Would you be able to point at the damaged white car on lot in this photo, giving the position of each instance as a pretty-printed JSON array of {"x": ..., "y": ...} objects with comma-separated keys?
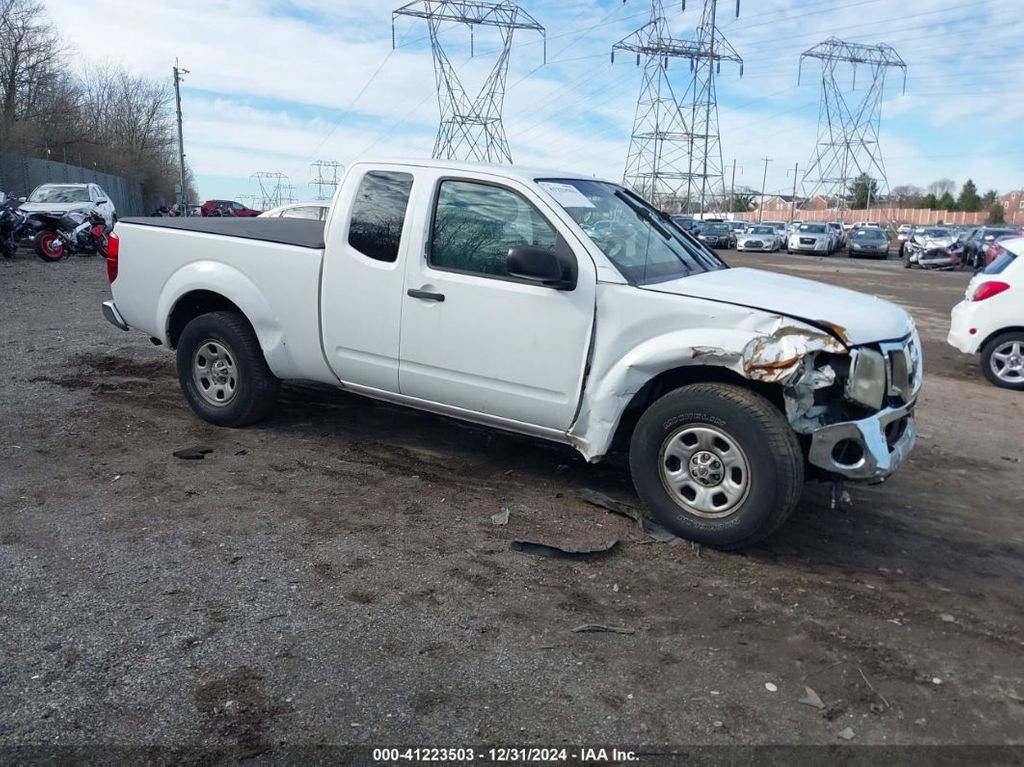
[{"x": 544, "y": 303}]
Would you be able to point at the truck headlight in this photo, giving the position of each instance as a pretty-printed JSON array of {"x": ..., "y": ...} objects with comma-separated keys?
[{"x": 866, "y": 384}]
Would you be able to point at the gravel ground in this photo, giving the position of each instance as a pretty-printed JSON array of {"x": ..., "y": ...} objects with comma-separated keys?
[{"x": 333, "y": 575}]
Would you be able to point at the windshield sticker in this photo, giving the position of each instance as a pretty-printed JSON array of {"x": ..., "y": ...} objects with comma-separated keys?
[{"x": 566, "y": 195}]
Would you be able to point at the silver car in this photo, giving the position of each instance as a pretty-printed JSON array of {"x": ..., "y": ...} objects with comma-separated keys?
[{"x": 761, "y": 237}]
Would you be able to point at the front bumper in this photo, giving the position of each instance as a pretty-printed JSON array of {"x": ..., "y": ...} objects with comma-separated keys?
[
  {"x": 804, "y": 248},
  {"x": 755, "y": 245},
  {"x": 113, "y": 316},
  {"x": 869, "y": 449}
]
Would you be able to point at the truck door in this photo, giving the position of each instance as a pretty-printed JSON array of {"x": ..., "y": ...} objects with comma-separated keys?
[
  {"x": 474, "y": 337},
  {"x": 361, "y": 285}
]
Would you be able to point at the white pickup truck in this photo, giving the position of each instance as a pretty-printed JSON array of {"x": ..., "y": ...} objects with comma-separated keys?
[{"x": 544, "y": 303}]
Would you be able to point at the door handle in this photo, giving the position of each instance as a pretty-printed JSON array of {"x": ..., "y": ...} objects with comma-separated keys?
[{"x": 426, "y": 295}]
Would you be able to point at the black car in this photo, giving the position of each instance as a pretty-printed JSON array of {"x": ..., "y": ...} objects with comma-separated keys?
[
  {"x": 974, "y": 245},
  {"x": 689, "y": 223},
  {"x": 868, "y": 243},
  {"x": 716, "y": 235}
]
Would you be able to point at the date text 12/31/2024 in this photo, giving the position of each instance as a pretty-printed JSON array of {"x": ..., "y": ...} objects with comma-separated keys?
[{"x": 503, "y": 754}]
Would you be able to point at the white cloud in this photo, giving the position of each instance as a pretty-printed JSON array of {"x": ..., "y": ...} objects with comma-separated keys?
[{"x": 271, "y": 81}]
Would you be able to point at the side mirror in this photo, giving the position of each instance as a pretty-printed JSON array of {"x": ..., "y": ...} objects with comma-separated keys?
[
  {"x": 23, "y": 199},
  {"x": 536, "y": 265},
  {"x": 102, "y": 201}
]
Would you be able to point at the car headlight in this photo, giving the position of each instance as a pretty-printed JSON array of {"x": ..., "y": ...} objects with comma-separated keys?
[{"x": 866, "y": 384}]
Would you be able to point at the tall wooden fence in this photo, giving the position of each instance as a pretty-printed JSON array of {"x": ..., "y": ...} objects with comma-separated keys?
[{"x": 917, "y": 216}]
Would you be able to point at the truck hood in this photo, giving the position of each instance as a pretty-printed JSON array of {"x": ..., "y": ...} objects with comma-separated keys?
[{"x": 856, "y": 318}]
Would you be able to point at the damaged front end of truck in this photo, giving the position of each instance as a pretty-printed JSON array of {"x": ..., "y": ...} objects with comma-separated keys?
[{"x": 851, "y": 405}]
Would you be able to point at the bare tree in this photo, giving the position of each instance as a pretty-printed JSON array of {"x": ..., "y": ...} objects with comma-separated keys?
[
  {"x": 906, "y": 195},
  {"x": 942, "y": 186},
  {"x": 30, "y": 52}
]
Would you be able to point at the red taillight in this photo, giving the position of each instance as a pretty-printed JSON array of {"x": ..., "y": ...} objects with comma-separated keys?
[
  {"x": 989, "y": 289},
  {"x": 113, "y": 249}
]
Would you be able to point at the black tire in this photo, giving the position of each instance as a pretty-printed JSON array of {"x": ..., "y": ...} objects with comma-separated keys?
[
  {"x": 988, "y": 361},
  {"x": 766, "y": 443},
  {"x": 255, "y": 387}
]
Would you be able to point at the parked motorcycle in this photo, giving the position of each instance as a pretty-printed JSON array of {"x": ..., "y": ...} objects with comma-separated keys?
[
  {"x": 12, "y": 225},
  {"x": 81, "y": 232}
]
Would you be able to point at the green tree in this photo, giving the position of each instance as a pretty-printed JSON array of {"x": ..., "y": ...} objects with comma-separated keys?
[
  {"x": 969, "y": 199},
  {"x": 863, "y": 190},
  {"x": 995, "y": 214},
  {"x": 946, "y": 202},
  {"x": 929, "y": 202},
  {"x": 744, "y": 200},
  {"x": 988, "y": 199}
]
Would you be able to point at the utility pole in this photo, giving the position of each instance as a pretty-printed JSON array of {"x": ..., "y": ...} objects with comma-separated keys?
[
  {"x": 732, "y": 186},
  {"x": 764, "y": 180},
  {"x": 792, "y": 201},
  {"x": 182, "y": 195}
]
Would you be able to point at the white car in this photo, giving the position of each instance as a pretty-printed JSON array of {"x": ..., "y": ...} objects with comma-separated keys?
[
  {"x": 762, "y": 237},
  {"x": 488, "y": 293},
  {"x": 991, "y": 316},
  {"x": 311, "y": 211},
  {"x": 812, "y": 237},
  {"x": 63, "y": 198}
]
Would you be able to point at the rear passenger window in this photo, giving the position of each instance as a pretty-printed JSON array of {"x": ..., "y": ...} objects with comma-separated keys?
[
  {"x": 379, "y": 214},
  {"x": 475, "y": 225}
]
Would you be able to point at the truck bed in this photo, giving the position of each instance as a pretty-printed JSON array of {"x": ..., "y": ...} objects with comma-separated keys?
[{"x": 285, "y": 231}]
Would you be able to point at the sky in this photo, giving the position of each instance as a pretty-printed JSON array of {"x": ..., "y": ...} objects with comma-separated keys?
[{"x": 275, "y": 85}]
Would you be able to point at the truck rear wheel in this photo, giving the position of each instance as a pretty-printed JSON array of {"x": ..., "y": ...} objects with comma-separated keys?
[
  {"x": 717, "y": 464},
  {"x": 222, "y": 371}
]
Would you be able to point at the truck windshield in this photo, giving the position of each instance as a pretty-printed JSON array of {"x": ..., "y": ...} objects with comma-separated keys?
[{"x": 642, "y": 243}]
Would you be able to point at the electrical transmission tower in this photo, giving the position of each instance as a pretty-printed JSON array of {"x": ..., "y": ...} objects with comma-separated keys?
[
  {"x": 848, "y": 127},
  {"x": 471, "y": 128},
  {"x": 274, "y": 189},
  {"x": 675, "y": 152},
  {"x": 326, "y": 180}
]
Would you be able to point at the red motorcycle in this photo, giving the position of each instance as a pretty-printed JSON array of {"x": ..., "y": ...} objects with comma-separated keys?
[{"x": 75, "y": 232}]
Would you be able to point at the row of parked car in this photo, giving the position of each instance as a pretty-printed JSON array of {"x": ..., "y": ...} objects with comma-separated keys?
[{"x": 863, "y": 239}]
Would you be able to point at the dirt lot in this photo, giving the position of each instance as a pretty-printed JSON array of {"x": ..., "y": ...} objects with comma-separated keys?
[{"x": 333, "y": 575}]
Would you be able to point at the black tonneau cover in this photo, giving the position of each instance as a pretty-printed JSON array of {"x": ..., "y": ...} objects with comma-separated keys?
[{"x": 286, "y": 231}]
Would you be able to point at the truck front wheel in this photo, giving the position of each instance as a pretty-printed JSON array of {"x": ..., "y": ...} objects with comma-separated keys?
[
  {"x": 222, "y": 371},
  {"x": 717, "y": 464}
]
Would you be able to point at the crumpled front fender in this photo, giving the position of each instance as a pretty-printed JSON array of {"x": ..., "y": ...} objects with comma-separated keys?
[{"x": 757, "y": 345}]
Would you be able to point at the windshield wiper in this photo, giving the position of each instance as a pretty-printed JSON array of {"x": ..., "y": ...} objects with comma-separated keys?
[{"x": 644, "y": 215}]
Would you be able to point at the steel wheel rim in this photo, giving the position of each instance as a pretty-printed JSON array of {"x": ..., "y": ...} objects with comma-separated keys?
[
  {"x": 1007, "y": 362},
  {"x": 704, "y": 470},
  {"x": 215, "y": 372}
]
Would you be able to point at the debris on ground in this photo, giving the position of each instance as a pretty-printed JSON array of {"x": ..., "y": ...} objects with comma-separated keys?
[
  {"x": 501, "y": 518},
  {"x": 564, "y": 552},
  {"x": 946, "y": 618},
  {"x": 936, "y": 680},
  {"x": 811, "y": 698},
  {"x": 846, "y": 733},
  {"x": 598, "y": 628},
  {"x": 771, "y": 687},
  {"x": 651, "y": 529},
  {"x": 840, "y": 496},
  {"x": 192, "y": 453}
]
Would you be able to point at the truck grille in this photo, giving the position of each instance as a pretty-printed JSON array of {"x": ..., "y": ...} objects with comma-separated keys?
[{"x": 904, "y": 368}]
